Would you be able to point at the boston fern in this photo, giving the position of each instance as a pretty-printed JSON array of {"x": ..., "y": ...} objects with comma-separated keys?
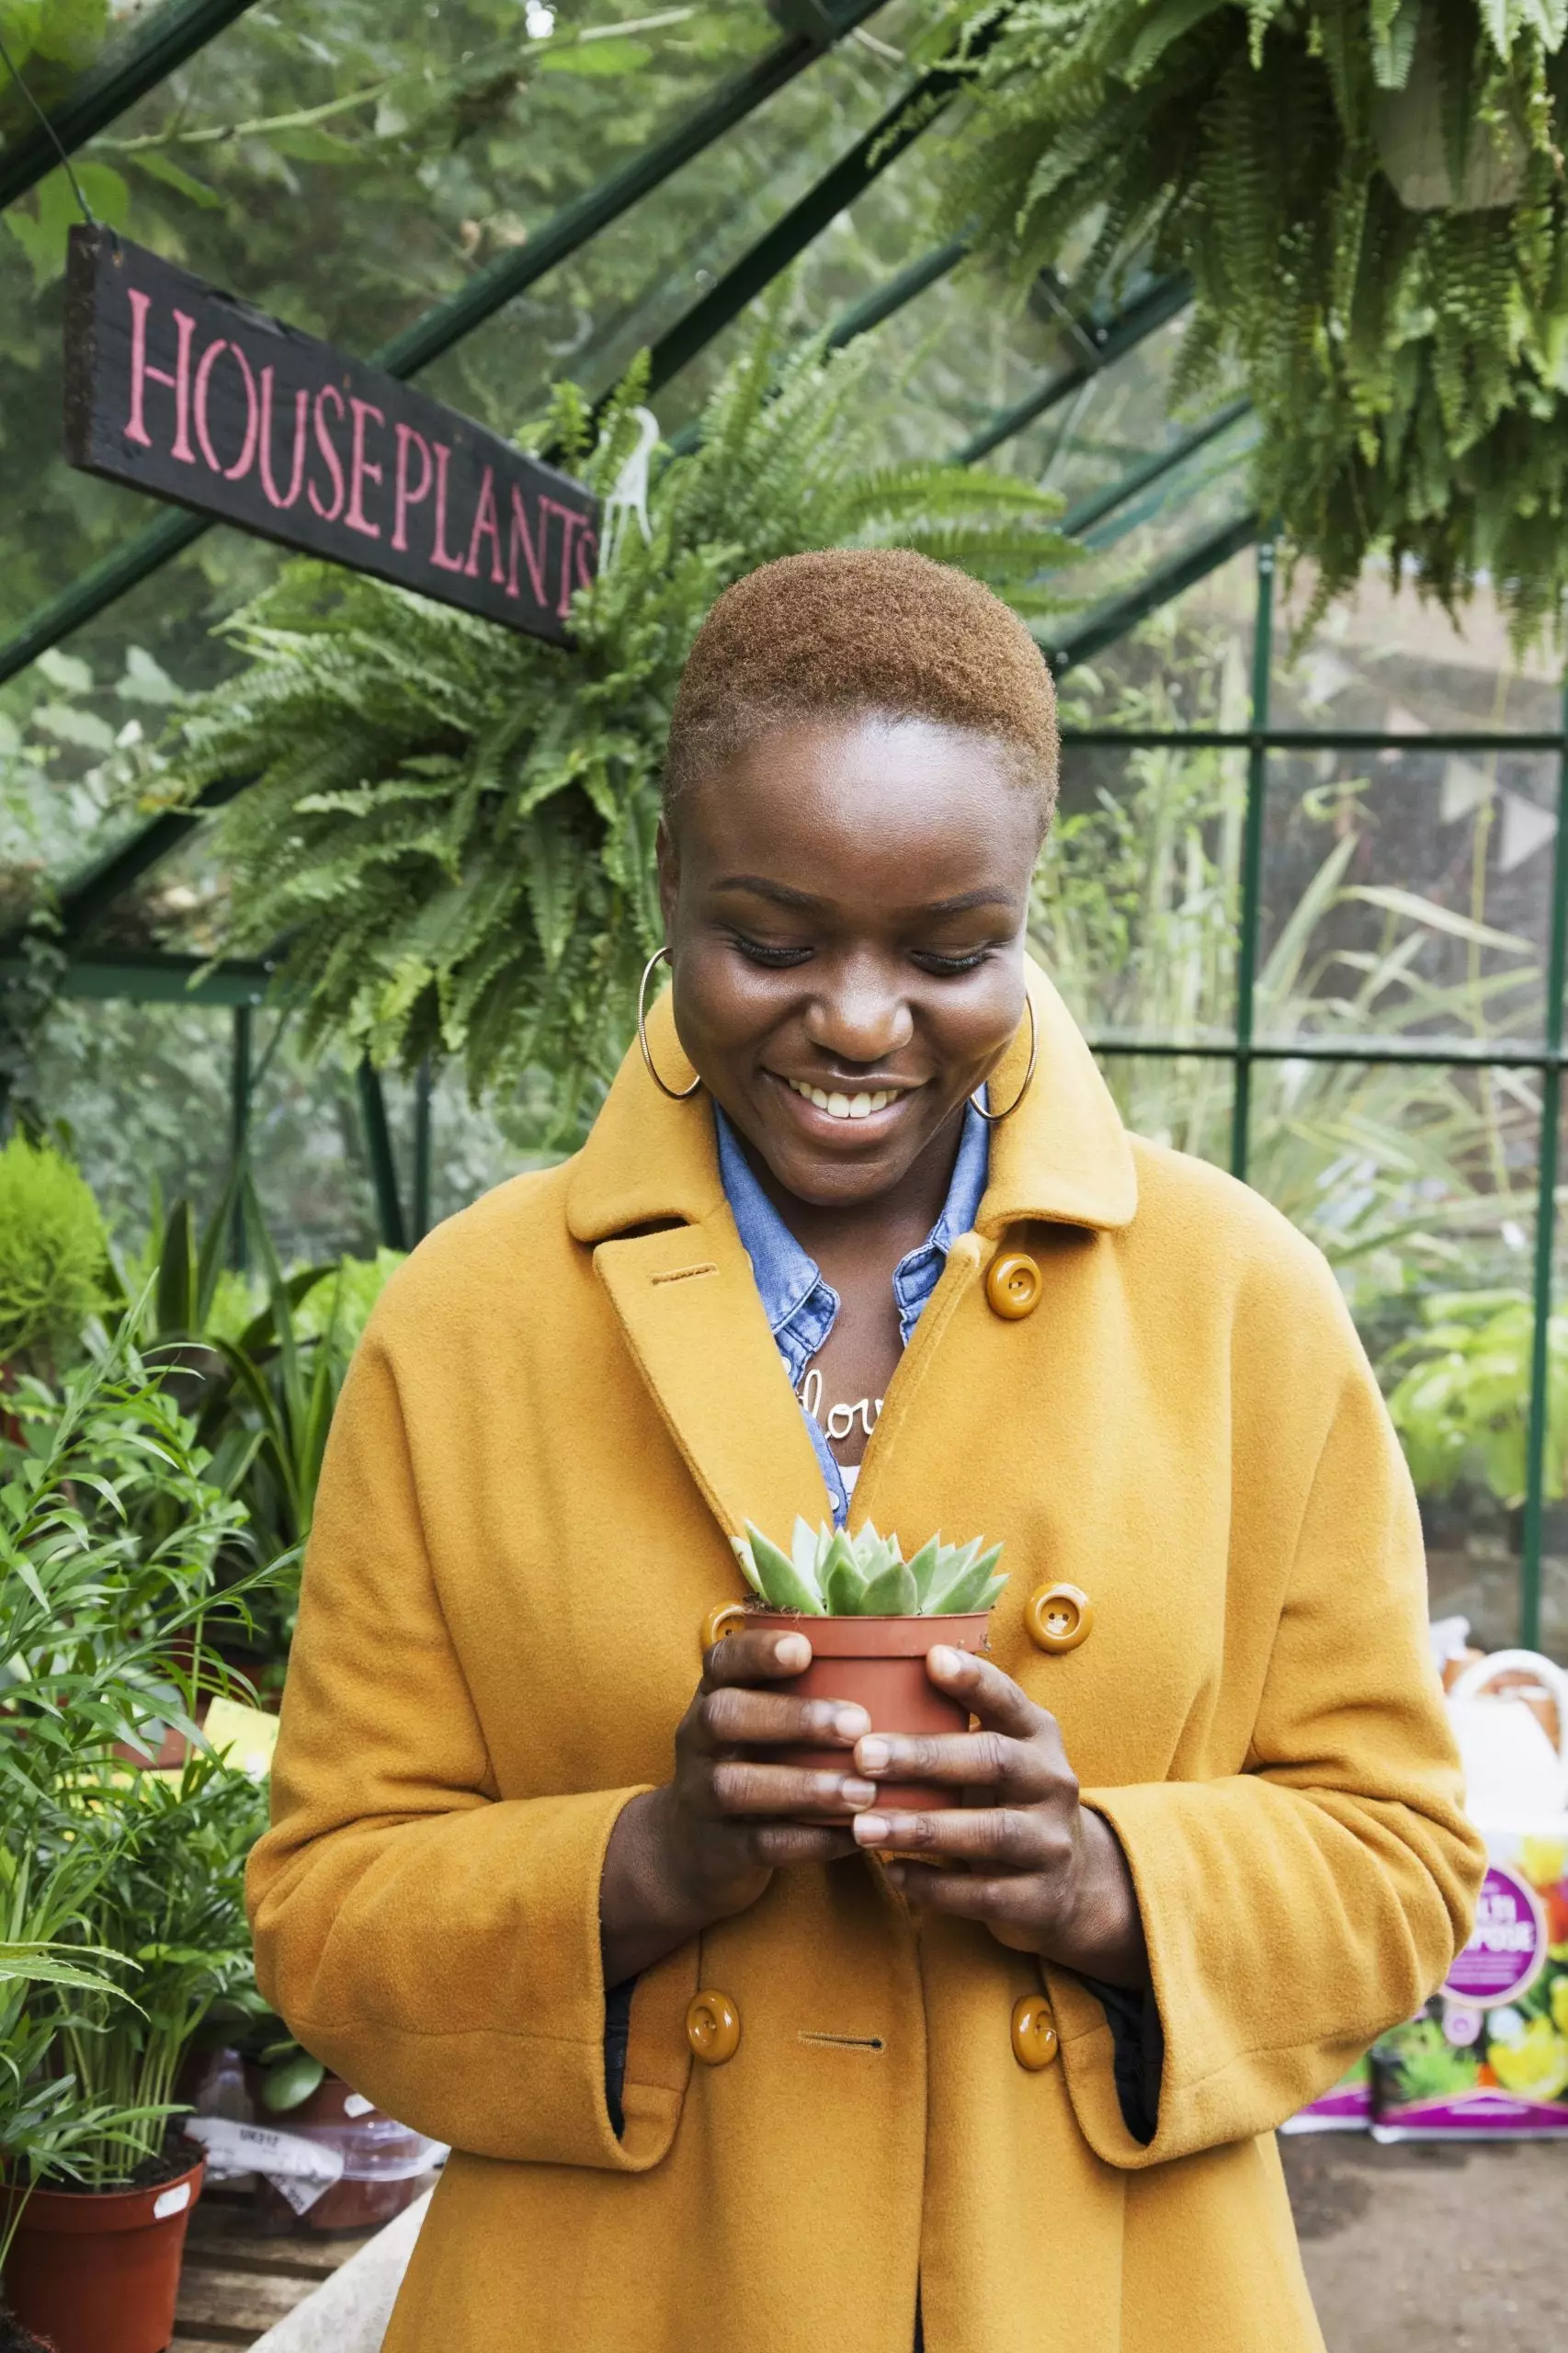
[
  {"x": 1369, "y": 197},
  {"x": 452, "y": 831}
]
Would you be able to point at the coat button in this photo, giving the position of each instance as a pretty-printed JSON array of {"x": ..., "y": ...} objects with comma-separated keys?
[
  {"x": 1059, "y": 1617},
  {"x": 724, "y": 1618},
  {"x": 714, "y": 2028},
  {"x": 1013, "y": 1285},
  {"x": 1034, "y": 2033}
]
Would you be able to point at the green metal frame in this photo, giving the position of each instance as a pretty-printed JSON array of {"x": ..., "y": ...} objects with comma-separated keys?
[{"x": 135, "y": 65}]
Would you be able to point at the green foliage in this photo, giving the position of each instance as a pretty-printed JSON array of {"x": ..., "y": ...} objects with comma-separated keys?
[
  {"x": 1421, "y": 2064},
  {"x": 118, "y": 1888},
  {"x": 1408, "y": 365},
  {"x": 1460, "y": 1397},
  {"x": 53, "y": 1253},
  {"x": 453, "y": 826},
  {"x": 829, "y": 1573}
]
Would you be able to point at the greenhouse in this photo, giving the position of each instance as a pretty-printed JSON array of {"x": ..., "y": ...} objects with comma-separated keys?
[{"x": 346, "y": 798}]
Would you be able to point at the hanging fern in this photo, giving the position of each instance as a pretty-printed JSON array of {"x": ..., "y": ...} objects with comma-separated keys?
[
  {"x": 452, "y": 828},
  {"x": 1369, "y": 196}
]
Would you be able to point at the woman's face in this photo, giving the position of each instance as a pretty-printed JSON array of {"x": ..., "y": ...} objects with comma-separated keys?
[{"x": 845, "y": 903}]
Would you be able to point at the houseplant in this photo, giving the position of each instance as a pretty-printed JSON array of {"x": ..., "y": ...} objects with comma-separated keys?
[
  {"x": 871, "y": 1617},
  {"x": 453, "y": 826},
  {"x": 109, "y": 1534},
  {"x": 53, "y": 1256},
  {"x": 1403, "y": 351}
]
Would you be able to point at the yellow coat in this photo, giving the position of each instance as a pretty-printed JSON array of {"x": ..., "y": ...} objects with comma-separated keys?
[{"x": 565, "y": 1405}]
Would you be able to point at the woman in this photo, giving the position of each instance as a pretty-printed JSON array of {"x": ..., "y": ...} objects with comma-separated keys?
[{"x": 1219, "y": 1834}]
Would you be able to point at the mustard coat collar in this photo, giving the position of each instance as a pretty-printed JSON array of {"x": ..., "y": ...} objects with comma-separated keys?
[{"x": 1063, "y": 1156}]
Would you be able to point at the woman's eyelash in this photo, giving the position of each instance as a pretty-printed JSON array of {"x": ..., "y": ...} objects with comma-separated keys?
[
  {"x": 952, "y": 963},
  {"x": 761, "y": 953}
]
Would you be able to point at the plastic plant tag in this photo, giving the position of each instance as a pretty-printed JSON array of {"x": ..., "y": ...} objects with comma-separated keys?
[
  {"x": 302, "y": 2170},
  {"x": 1488, "y": 2055},
  {"x": 171, "y": 2202}
]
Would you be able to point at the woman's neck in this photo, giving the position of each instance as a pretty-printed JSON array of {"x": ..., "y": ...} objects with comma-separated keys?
[{"x": 875, "y": 1233}]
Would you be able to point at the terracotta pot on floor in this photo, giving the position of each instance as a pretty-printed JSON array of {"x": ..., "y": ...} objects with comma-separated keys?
[
  {"x": 97, "y": 2270},
  {"x": 881, "y": 1661}
]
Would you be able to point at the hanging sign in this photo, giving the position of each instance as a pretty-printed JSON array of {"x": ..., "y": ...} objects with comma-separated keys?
[{"x": 189, "y": 394}]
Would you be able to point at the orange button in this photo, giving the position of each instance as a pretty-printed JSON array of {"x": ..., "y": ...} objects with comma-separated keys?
[
  {"x": 1034, "y": 2033},
  {"x": 1013, "y": 1285},
  {"x": 1059, "y": 1617},
  {"x": 714, "y": 2028},
  {"x": 724, "y": 1618}
]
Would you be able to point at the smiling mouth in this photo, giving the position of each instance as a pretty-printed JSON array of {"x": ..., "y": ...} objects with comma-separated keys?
[{"x": 839, "y": 1106}]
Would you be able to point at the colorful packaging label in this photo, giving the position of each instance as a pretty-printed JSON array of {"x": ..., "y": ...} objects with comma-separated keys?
[
  {"x": 1345, "y": 2107},
  {"x": 1488, "y": 2055}
]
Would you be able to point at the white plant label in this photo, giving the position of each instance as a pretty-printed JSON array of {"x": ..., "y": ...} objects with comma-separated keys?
[
  {"x": 302, "y": 2170},
  {"x": 171, "y": 2202},
  {"x": 356, "y": 2104}
]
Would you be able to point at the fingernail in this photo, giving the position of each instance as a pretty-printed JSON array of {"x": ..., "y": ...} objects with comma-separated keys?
[
  {"x": 858, "y": 1794},
  {"x": 793, "y": 1652},
  {"x": 850, "y": 1722},
  {"x": 870, "y": 1828},
  {"x": 874, "y": 1756},
  {"x": 944, "y": 1660}
]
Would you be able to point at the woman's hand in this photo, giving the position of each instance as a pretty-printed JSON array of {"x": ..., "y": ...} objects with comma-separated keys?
[
  {"x": 705, "y": 1846},
  {"x": 1043, "y": 1874}
]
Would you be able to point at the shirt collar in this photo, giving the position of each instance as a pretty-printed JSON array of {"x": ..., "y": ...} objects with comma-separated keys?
[{"x": 788, "y": 1277}]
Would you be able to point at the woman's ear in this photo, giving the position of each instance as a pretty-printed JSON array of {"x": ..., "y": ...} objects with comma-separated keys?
[{"x": 667, "y": 856}]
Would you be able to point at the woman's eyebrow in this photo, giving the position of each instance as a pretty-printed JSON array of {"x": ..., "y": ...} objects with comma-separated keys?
[{"x": 786, "y": 895}]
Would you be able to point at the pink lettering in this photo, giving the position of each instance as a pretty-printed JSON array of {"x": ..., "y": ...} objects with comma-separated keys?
[
  {"x": 587, "y": 557},
  {"x": 486, "y": 525},
  {"x": 407, "y": 439},
  {"x": 301, "y": 401},
  {"x": 362, "y": 471},
  {"x": 439, "y": 556},
  {"x": 569, "y": 525},
  {"x": 142, "y": 375},
  {"x": 522, "y": 538},
  {"x": 334, "y": 463},
  {"x": 241, "y": 466}
]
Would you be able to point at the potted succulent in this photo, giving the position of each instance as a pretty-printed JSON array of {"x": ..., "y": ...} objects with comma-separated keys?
[
  {"x": 109, "y": 1534},
  {"x": 874, "y": 1618}
]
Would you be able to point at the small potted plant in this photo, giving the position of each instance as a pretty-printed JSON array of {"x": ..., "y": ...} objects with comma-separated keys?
[{"x": 873, "y": 1618}]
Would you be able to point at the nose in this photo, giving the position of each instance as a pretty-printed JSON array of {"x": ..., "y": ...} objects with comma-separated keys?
[{"x": 859, "y": 1015}]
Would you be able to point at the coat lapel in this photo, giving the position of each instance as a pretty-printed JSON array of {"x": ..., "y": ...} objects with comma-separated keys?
[{"x": 646, "y": 1193}]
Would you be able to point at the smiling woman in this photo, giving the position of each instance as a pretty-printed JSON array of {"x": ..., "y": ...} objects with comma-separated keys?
[{"x": 858, "y": 1234}]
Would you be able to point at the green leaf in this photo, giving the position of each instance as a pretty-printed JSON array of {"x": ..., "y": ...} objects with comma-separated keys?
[
  {"x": 781, "y": 1584},
  {"x": 291, "y": 2081},
  {"x": 158, "y": 166},
  {"x": 972, "y": 1588},
  {"x": 922, "y": 1567},
  {"x": 611, "y": 56},
  {"x": 892, "y": 1595},
  {"x": 844, "y": 1590},
  {"x": 176, "y": 1274}
]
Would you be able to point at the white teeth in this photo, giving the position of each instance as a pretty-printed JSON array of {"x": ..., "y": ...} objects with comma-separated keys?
[{"x": 846, "y": 1107}]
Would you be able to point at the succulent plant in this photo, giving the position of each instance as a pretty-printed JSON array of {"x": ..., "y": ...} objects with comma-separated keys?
[{"x": 827, "y": 1573}]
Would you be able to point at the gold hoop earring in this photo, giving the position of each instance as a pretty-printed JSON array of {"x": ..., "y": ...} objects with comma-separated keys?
[
  {"x": 994, "y": 1119},
  {"x": 675, "y": 1094}
]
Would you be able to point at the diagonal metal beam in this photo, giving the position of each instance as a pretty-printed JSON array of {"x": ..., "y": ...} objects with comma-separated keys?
[
  {"x": 1101, "y": 503},
  {"x": 873, "y": 308},
  {"x": 136, "y": 65},
  {"x": 1114, "y": 619},
  {"x": 1112, "y": 338},
  {"x": 446, "y": 323}
]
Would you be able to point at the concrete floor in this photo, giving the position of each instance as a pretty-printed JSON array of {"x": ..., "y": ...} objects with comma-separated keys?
[{"x": 1422, "y": 2247}]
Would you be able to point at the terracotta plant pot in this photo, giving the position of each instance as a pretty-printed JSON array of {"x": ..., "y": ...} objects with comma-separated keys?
[
  {"x": 97, "y": 2270},
  {"x": 881, "y": 1661},
  {"x": 386, "y": 2165}
]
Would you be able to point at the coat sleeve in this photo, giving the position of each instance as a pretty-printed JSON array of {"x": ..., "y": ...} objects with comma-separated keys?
[
  {"x": 436, "y": 1945},
  {"x": 1297, "y": 1909}
]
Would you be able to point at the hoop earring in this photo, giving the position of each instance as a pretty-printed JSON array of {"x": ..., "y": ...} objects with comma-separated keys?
[
  {"x": 994, "y": 1119},
  {"x": 675, "y": 1094}
]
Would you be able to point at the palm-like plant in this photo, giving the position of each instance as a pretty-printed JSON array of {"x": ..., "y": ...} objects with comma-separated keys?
[{"x": 452, "y": 828}]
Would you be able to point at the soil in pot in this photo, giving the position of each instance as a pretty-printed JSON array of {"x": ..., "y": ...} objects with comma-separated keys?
[
  {"x": 97, "y": 2270},
  {"x": 386, "y": 2165},
  {"x": 881, "y": 1662}
]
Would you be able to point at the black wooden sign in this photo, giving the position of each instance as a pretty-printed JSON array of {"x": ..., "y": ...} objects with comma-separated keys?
[{"x": 193, "y": 395}]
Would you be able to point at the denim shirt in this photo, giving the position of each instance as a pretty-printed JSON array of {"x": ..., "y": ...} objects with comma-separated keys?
[{"x": 800, "y": 1306}]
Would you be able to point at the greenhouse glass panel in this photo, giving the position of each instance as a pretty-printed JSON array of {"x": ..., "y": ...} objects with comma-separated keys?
[
  {"x": 1407, "y": 895},
  {"x": 1419, "y": 1182},
  {"x": 1183, "y": 1101},
  {"x": 1137, "y": 893},
  {"x": 1186, "y": 664},
  {"x": 345, "y": 178}
]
